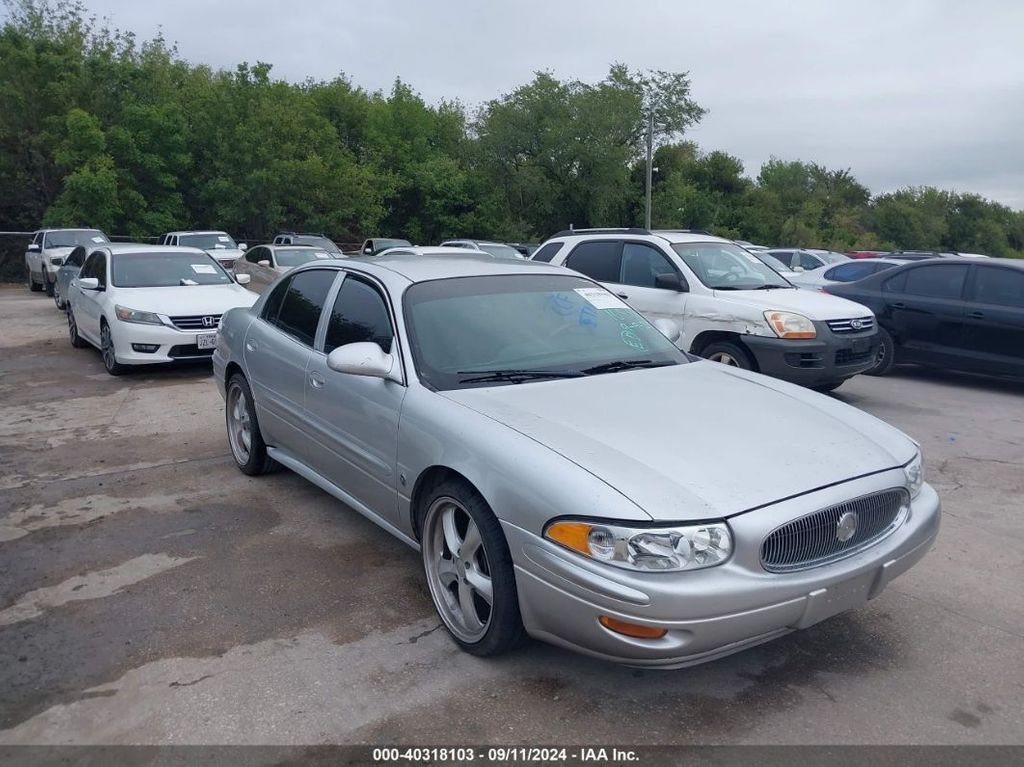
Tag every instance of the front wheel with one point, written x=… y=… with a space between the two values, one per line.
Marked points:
x=728 y=353
x=110 y=362
x=469 y=571
x=886 y=355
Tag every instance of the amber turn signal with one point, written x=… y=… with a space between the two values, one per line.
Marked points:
x=631 y=629
x=572 y=535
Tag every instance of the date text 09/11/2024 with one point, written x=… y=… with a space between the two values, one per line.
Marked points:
x=504 y=754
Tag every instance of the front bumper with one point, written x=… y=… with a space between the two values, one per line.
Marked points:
x=829 y=358
x=718 y=611
x=173 y=345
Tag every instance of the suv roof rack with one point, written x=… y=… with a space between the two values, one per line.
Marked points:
x=682 y=231
x=607 y=230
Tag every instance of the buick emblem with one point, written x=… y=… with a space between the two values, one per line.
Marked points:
x=856 y=325
x=846 y=527
x=209 y=322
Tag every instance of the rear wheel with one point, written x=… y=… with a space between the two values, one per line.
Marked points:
x=47 y=284
x=728 y=353
x=469 y=570
x=110 y=362
x=57 y=297
x=244 y=437
x=34 y=286
x=886 y=355
x=76 y=340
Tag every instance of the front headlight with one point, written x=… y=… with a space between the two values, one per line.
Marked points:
x=915 y=475
x=646 y=549
x=134 y=315
x=56 y=261
x=790 y=325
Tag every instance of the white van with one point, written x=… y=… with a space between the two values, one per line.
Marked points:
x=731 y=307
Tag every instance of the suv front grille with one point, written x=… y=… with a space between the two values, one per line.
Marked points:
x=816 y=539
x=850 y=357
x=853 y=325
x=195 y=322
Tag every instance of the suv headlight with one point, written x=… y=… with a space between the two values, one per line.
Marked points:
x=790 y=325
x=645 y=549
x=57 y=260
x=915 y=475
x=134 y=315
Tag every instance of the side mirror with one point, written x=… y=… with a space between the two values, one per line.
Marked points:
x=34 y=248
x=798 y=269
x=671 y=281
x=364 y=358
x=668 y=328
x=243 y=279
x=368 y=250
x=263 y=262
x=243 y=245
x=89 y=283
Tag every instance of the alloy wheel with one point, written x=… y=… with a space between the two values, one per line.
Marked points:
x=458 y=572
x=725 y=358
x=107 y=348
x=239 y=424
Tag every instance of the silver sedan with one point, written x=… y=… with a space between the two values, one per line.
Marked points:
x=566 y=472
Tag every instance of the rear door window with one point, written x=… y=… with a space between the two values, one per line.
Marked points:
x=600 y=260
x=548 y=252
x=936 y=281
x=302 y=303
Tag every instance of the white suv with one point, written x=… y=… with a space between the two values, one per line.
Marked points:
x=730 y=306
x=48 y=249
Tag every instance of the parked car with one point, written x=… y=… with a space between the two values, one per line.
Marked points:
x=265 y=263
x=220 y=245
x=147 y=304
x=960 y=314
x=919 y=255
x=732 y=308
x=377 y=245
x=514 y=422
x=865 y=253
x=769 y=260
x=496 y=249
x=751 y=246
x=441 y=252
x=313 y=240
x=806 y=259
x=68 y=270
x=851 y=271
x=525 y=249
x=46 y=252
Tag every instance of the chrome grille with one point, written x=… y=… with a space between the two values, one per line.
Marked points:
x=815 y=539
x=852 y=325
x=195 y=322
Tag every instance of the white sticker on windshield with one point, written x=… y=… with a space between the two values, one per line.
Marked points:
x=321 y=254
x=97 y=238
x=204 y=269
x=600 y=299
x=222 y=237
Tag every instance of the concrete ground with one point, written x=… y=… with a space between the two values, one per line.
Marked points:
x=150 y=593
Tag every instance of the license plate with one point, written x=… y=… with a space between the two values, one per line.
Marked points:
x=206 y=340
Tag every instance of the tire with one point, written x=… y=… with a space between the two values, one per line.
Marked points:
x=76 y=340
x=456 y=518
x=48 y=285
x=242 y=426
x=825 y=388
x=34 y=286
x=110 y=362
x=886 y=355
x=728 y=353
x=56 y=297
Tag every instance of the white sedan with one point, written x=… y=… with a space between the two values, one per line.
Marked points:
x=146 y=304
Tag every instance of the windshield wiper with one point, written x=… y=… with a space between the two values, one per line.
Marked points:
x=515 y=376
x=772 y=287
x=617 y=365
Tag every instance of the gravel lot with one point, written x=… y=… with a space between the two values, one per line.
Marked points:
x=151 y=593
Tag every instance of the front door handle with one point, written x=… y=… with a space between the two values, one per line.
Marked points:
x=899 y=305
x=623 y=296
x=976 y=315
x=250 y=346
x=316 y=380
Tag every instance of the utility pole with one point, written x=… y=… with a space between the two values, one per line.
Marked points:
x=650 y=161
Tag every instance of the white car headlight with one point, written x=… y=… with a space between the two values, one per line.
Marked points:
x=915 y=475
x=790 y=325
x=646 y=549
x=134 y=315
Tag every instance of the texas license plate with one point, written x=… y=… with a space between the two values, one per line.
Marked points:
x=206 y=340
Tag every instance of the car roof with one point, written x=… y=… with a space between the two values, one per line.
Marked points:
x=427 y=250
x=141 y=247
x=450 y=265
x=669 y=235
x=198 y=231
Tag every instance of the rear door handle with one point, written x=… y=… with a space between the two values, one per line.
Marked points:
x=316 y=380
x=250 y=345
x=976 y=315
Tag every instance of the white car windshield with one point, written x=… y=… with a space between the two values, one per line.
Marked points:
x=486 y=331
x=316 y=241
x=207 y=241
x=501 y=251
x=724 y=266
x=71 y=238
x=165 y=270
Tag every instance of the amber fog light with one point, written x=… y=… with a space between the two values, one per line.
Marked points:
x=631 y=629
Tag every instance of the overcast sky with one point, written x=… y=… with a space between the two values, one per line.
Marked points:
x=902 y=92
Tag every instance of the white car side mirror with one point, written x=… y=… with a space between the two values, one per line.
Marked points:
x=89 y=283
x=364 y=358
x=34 y=248
x=798 y=269
x=243 y=246
x=243 y=279
x=263 y=262
x=668 y=328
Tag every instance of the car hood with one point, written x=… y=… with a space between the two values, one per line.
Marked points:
x=814 y=306
x=186 y=299
x=225 y=253
x=696 y=441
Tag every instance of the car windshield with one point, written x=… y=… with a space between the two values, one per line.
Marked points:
x=724 y=266
x=773 y=262
x=296 y=256
x=207 y=241
x=380 y=245
x=831 y=257
x=494 y=330
x=71 y=238
x=500 y=251
x=165 y=270
x=317 y=242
